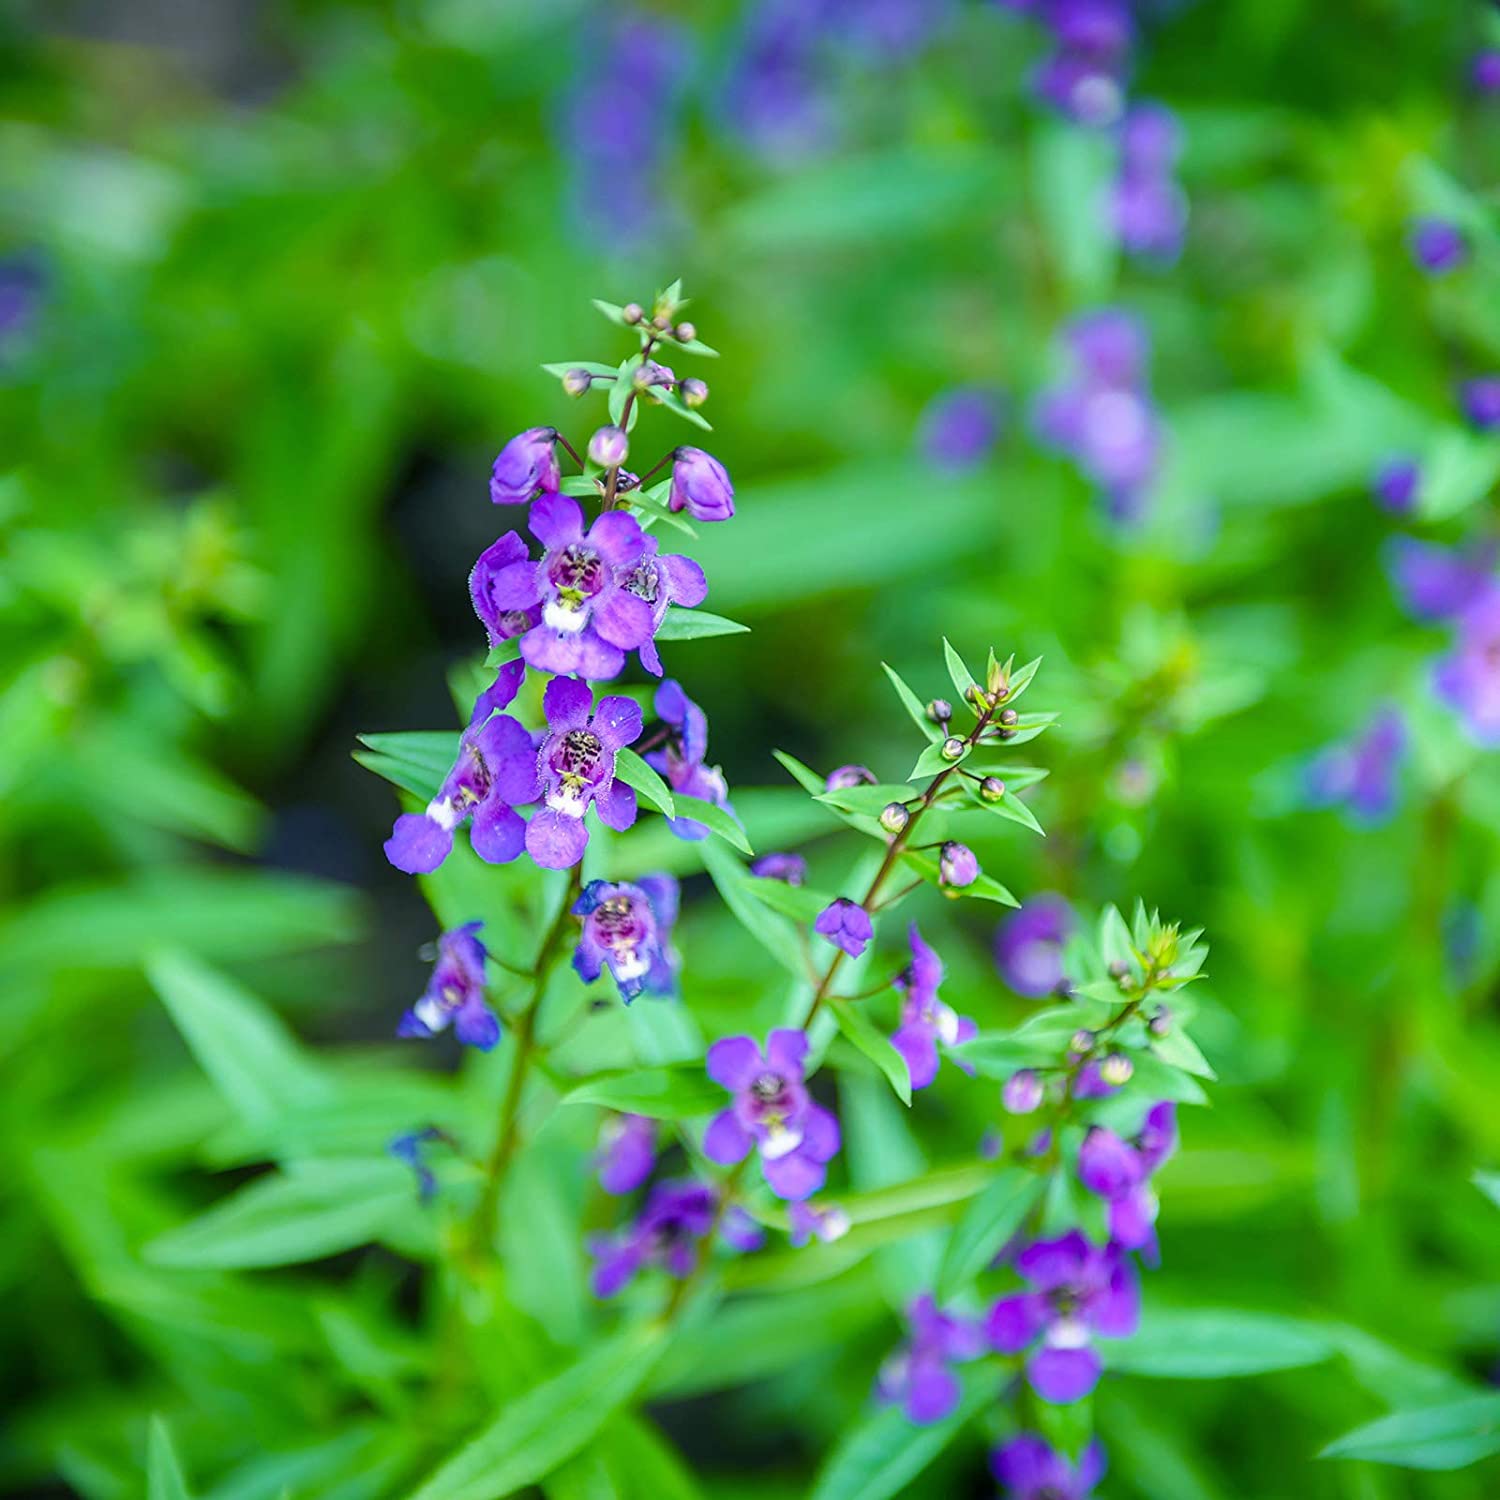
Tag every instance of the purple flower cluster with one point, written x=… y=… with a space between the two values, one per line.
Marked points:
x=1029 y=945
x=1085 y=76
x=1148 y=206
x=771 y=1112
x=455 y=993
x=1030 y=1470
x=1102 y=415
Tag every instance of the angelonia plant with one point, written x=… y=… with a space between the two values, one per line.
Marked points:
x=738 y=1149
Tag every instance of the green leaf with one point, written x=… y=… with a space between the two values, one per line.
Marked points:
x=804 y=775
x=307 y=1211
x=1020 y=680
x=958 y=673
x=417 y=760
x=551 y=1422
x=870 y=800
x=661 y=1093
x=1213 y=1343
x=1179 y=1049
x=985 y=888
x=1000 y=1054
x=615 y=313
x=164 y=1477
x=619 y=392
x=714 y=818
x=772 y=931
x=857 y=1028
x=912 y=704
x=801 y=903
x=252 y=1059
x=653 y=510
x=882 y=1453
x=1071 y=171
x=674 y=403
x=633 y=771
x=695 y=625
x=988 y=1222
x=1447 y=1436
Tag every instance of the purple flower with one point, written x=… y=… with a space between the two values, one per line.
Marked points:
x=1119 y=1171
x=925 y=1019
x=791 y=868
x=1150 y=138
x=576 y=767
x=483 y=789
x=1439 y=583
x=773 y=1112
x=959 y=427
x=1360 y=775
x=1102 y=415
x=589 y=620
x=808 y=1221
x=1149 y=208
x=681 y=762
x=501 y=624
x=676 y=1217
x=1092 y=1084
x=957 y=865
x=918 y=1374
x=627 y=929
x=1468 y=678
x=1030 y=1470
x=1484 y=71
x=412 y=1149
x=24 y=281
x=1079 y=1291
x=455 y=993
x=1396 y=485
x=1029 y=946
x=1436 y=245
x=846 y=924
x=660 y=581
x=627 y=1152
x=1022 y=1092
x=700 y=485
x=1480 y=399
x=525 y=465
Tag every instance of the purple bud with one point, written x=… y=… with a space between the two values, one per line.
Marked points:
x=684 y=333
x=953 y=748
x=525 y=465
x=940 y=710
x=846 y=924
x=1480 y=399
x=1108 y=1165
x=1396 y=484
x=992 y=789
x=791 y=868
x=894 y=817
x=700 y=485
x=1485 y=71
x=577 y=382
x=694 y=392
x=609 y=447
x=1022 y=1092
x=957 y=865
x=1437 y=246
x=841 y=778
x=632 y=312
x=1116 y=1069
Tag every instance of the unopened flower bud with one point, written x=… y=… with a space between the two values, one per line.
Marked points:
x=1116 y=1069
x=661 y=322
x=992 y=789
x=894 y=817
x=1118 y=968
x=940 y=710
x=997 y=683
x=953 y=748
x=843 y=777
x=957 y=865
x=609 y=447
x=694 y=392
x=684 y=333
x=577 y=382
x=1160 y=1024
x=1008 y=717
x=1082 y=1042
x=1022 y=1092
x=632 y=312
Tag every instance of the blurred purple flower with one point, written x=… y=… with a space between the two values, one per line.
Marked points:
x=846 y=924
x=1440 y=583
x=1396 y=485
x=918 y=1374
x=455 y=993
x=1361 y=774
x=1029 y=944
x=1480 y=400
x=791 y=868
x=627 y=1152
x=676 y=1218
x=1436 y=245
x=1467 y=679
x=627 y=929
x=809 y=1221
x=1030 y=1470
x=925 y=1019
x=959 y=428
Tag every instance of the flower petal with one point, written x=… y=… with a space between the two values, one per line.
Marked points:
x=726 y=1140
x=554 y=840
x=417 y=844
x=1063 y=1376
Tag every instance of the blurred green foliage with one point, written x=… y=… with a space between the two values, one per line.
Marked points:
x=245 y=439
